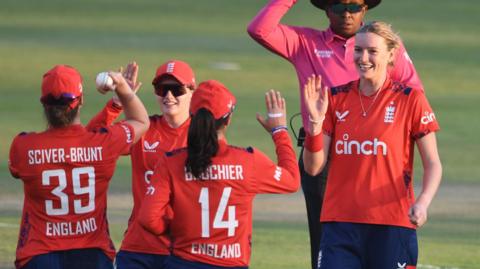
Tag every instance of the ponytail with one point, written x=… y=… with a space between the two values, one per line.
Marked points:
x=59 y=116
x=202 y=143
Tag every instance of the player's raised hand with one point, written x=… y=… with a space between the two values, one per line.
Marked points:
x=130 y=73
x=315 y=97
x=121 y=84
x=276 y=112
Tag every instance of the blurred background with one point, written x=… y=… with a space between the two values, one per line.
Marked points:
x=441 y=37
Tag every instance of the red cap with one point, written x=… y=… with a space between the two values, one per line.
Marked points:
x=213 y=96
x=61 y=80
x=177 y=69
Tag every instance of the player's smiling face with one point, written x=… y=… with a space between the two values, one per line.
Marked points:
x=371 y=56
x=172 y=105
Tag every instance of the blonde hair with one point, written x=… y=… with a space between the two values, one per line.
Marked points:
x=384 y=30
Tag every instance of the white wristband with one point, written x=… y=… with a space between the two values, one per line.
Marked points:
x=316 y=121
x=275 y=115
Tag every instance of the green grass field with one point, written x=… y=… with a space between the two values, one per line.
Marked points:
x=96 y=35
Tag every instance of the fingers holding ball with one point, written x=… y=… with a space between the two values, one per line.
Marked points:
x=104 y=82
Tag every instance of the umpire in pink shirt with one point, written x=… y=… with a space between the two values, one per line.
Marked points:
x=329 y=53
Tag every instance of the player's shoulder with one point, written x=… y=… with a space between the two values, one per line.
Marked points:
x=406 y=91
x=342 y=89
x=155 y=118
x=26 y=139
x=100 y=130
x=175 y=152
x=24 y=135
x=402 y=88
x=247 y=150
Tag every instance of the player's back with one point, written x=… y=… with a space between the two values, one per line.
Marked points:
x=66 y=172
x=213 y=223
x=212 y=213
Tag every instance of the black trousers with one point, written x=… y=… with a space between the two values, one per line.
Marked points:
x=313 y=188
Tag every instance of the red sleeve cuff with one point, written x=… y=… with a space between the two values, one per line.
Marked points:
x=114 y=106
x=314 y=143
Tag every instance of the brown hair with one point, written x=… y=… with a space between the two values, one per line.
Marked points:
x=60 y=115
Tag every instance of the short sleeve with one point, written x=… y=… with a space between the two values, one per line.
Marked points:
x=13 y=159
x=423 y=117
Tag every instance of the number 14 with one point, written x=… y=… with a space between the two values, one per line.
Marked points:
x=218 y=223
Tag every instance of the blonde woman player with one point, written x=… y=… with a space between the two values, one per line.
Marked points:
x=370 y=127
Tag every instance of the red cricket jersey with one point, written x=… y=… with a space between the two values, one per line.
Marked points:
x=65 y=173
x=371 y=166
x=159 y=139
x=212 y=216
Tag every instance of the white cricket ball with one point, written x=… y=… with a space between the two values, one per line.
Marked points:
x=104 y=82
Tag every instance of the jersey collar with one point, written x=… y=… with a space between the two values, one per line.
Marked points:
x=67 y=130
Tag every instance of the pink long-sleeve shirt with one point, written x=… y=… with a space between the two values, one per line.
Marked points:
x=318 y=52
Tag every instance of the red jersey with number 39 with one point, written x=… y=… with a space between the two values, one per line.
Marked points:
x=212 y=215
x=371 y=153
x=66 y=172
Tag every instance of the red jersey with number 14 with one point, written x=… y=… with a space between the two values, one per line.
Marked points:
x=371 y=153
x=65 y=172
x=212 y=215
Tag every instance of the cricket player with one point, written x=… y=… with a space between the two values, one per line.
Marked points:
x=210 y=185
x=173 y=84
x=326 y=52
x=369 y=128
x=66 y=170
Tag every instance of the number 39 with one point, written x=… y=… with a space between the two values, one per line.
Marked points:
x=77 y=189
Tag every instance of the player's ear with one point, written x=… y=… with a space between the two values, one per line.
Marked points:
x=80 y=102
x=228 y=120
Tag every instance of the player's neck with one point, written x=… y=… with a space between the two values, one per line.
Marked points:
x=221 y=133
x=176 y=121
x=369 y=87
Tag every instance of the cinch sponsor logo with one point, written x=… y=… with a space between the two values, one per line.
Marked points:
x=367 y=147
x=428 y=117
x=150 y=188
